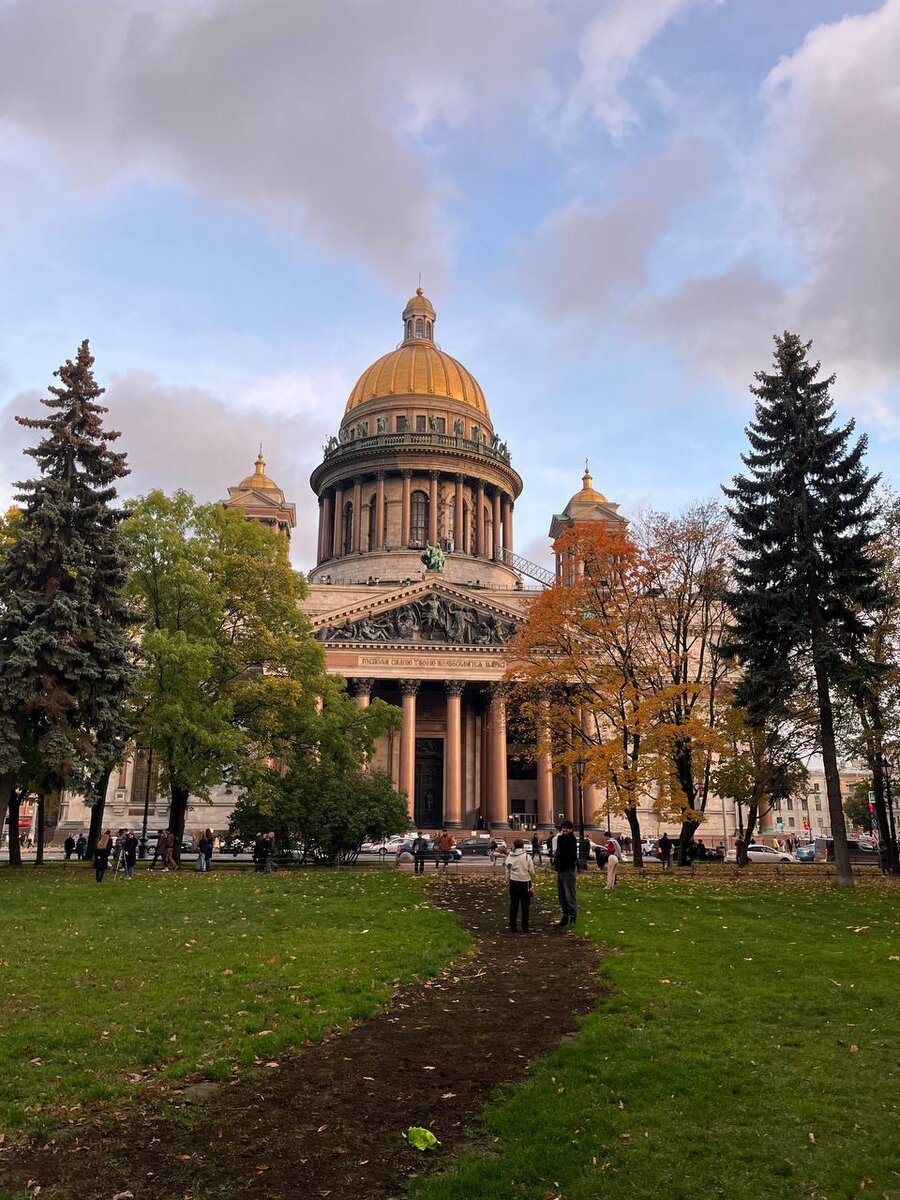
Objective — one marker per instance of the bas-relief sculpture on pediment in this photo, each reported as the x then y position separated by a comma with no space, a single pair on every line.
431,621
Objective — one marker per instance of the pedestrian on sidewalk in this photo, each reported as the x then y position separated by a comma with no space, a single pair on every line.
101,854
445,848
171,864
565,862
520,873
536,852
420,850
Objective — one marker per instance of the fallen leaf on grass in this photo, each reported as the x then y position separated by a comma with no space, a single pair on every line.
421,1139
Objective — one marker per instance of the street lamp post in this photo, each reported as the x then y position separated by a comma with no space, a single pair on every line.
580,766
142,848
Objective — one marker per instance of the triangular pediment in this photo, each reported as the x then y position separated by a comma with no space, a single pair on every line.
428,613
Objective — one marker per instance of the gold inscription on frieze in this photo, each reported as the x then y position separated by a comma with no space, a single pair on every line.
386,660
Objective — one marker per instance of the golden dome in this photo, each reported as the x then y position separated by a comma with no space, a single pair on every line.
418,367
588,494
259,478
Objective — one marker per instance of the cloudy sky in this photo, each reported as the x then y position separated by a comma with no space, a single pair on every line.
613,205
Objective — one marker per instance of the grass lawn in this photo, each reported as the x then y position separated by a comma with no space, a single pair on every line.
750,1048
104,988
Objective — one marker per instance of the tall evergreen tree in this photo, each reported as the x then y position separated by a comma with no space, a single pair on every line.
805,572
65,649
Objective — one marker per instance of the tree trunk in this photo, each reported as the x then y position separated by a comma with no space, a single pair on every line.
15,846
177,814
832,778
7,784
98,809
688,829
752,812
634,824
39,854
873,727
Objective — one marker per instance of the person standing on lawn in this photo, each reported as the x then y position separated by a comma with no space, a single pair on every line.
445,847
171,864
612,862
420,850
665,851
204,849
536,852
69,847
101,854
80,846
129,850
520,874
565,862
159,850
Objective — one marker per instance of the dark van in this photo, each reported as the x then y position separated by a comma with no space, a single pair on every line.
860,856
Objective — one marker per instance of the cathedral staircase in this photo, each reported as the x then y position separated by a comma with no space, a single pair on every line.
524,566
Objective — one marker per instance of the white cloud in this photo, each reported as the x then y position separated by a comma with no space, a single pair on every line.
308,114
609,51
179,437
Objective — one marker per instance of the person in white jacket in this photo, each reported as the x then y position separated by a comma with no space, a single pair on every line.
520,873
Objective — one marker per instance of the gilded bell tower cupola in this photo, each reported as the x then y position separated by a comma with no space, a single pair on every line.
418,319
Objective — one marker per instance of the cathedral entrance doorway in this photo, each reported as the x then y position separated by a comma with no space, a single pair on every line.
429,803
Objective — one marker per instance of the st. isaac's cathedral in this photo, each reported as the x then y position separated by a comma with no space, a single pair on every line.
417,587
415,593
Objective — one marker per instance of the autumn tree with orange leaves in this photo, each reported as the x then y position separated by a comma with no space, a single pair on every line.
623,665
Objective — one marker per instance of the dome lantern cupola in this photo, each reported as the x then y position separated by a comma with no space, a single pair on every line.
418,319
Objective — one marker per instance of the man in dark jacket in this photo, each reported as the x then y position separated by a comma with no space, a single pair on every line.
69,847
80,846
565,863
419,849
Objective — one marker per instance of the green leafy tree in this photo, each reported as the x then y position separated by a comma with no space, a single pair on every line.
230,675
66,655
871,708
325,802
761,769
805,573
856,806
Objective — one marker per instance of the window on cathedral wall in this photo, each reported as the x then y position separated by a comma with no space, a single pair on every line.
348,527
409,328
450,530
440,424
420,327
421,424
488,530
418,519
402,424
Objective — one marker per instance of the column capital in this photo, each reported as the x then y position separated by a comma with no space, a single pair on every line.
406,473
381,474
498,690
409,687
434,474
361,686
460,477
454,687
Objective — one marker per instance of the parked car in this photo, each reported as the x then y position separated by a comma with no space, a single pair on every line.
860,855
406,847
761,854
475,845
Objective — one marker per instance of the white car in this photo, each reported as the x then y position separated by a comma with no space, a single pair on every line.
761,854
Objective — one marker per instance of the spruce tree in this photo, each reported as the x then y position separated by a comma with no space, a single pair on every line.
805,572
66,656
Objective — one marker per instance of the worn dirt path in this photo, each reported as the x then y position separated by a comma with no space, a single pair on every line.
329,1122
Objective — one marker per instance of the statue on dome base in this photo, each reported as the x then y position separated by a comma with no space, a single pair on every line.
433,558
